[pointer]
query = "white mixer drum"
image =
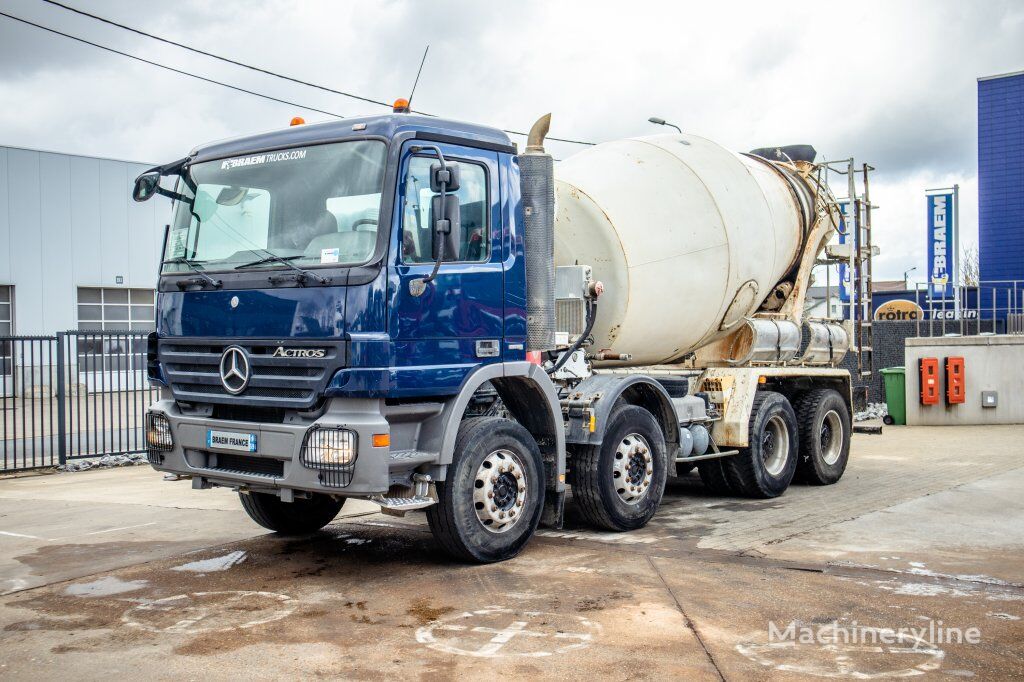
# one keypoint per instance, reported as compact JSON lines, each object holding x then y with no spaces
{"x":688,"y":237}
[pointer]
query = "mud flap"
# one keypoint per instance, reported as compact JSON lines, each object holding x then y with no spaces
{"x":553,"y":515}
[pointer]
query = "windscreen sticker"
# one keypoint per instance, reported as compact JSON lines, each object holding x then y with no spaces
{"x":178,"y":243}
{"x":330,"y":255}
{"x":255,"y":160}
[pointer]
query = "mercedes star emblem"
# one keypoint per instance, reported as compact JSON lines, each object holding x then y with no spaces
{"x":234,"y":370}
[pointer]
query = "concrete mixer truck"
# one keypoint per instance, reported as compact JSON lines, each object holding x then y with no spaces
{"x":407,"y":310}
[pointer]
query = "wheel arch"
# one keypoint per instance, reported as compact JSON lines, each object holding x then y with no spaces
{"x":595,"y":398}
{"x":523,"y":388}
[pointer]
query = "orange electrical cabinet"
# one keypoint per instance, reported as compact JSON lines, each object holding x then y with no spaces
{"x":955,"y":381}
{"x":929,"y":370}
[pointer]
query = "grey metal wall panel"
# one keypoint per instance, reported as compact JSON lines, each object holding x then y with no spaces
{"x":26,"y":256}
{"x":5,"y":227}
{"x":56,"y":279}
{"x":114,"y":235}
{"x":66,"y":222}
{"x":86,"y":250}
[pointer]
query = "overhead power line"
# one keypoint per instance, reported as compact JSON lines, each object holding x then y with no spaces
{"x":268,"y":72}
{"x":214,"y":56}
{"x":170,"y":68}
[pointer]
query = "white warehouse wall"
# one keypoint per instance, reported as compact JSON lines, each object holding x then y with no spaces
{"x":69,"y":221}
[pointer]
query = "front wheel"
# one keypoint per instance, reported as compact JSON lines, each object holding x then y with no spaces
{"x":491,"y":500}
{"x":302,"y":516}
{"x":619,"y":483}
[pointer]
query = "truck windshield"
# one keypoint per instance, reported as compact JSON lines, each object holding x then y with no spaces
{"x":311,"y":206}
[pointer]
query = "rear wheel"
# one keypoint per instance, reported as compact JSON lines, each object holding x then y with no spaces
{"x":765,"y":468}
{"x":619,"y":484}
{"x":824,"y":423}
{"x":490,"y":503}
{"x":304,"y":515}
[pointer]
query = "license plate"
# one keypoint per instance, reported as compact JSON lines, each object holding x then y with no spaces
{"x":231,"y":440}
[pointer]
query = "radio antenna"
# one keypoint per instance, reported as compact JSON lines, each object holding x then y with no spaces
{"x":417,"y":81}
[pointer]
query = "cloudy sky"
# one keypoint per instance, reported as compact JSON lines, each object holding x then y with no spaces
{"x":891,"y":83}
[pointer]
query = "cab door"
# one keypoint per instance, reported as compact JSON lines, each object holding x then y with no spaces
{"x":456,"y":323}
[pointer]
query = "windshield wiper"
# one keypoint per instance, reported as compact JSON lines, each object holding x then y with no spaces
{"x":273,"y":258}
{"x":194,"y":266}
{"x":300,"y":278}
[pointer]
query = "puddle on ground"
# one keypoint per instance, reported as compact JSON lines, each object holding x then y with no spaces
{"x":104,"y":587}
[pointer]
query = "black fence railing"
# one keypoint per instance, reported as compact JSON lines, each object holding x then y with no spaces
{"x":73,"y":395}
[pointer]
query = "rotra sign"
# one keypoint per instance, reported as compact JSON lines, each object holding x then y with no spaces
{"x":899,"y":309}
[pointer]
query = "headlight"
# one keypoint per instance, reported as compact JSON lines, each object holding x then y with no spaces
{"x":158,"y":432}
{"x":329,"y":448}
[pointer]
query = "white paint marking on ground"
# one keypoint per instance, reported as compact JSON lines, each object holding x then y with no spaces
{"x":216,"y":611}
{"x":498,"y":632}
{"x":788,"y":657}
{"x":104,"y":587}
{"x":114,"y":530}
{"x":220,"y":563}
{"x":1003,"y":616}
{"x":609,"y":538}
{"x":19,"y":535}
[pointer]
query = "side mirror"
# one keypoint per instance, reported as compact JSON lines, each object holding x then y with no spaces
{"x":146,"y":186}
{"x":447,"y":226}
{"x":450,"y":176}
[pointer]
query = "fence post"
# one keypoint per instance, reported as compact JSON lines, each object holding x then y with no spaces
{"x":62,"y":444}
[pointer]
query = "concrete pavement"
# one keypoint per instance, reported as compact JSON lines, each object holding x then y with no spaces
{"x":884,"y":574}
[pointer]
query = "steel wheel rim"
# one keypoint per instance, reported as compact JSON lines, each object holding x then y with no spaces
{"x":499,"y":491}
{"x":775,"y":445}
{"x":831,"y":437}
{"x":632,"y":469}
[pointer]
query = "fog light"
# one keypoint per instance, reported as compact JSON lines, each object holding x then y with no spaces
{"x":158,"y":432}
{"x":329,"y":448}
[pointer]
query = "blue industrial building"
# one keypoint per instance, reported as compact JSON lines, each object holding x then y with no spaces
{"x":1001,"y":177}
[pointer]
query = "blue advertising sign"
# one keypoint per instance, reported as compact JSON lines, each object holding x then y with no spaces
{"x":941,"y":244}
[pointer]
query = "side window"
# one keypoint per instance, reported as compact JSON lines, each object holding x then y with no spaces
{"x":416,"y":225}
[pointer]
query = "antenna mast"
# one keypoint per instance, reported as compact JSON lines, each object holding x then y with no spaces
{"x":417,"y":81}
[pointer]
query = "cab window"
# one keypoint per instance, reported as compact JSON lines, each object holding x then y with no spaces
{"x":416,"y":224}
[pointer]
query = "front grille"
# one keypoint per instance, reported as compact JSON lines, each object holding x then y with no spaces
{"x":244,"y":413}
{"x":245,"y":464}
{"x":192,"y":368}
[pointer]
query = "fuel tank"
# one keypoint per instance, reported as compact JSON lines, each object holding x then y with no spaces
{"x":688,"y":237}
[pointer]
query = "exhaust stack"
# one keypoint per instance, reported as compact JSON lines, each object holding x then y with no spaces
{"x":537,"y":186}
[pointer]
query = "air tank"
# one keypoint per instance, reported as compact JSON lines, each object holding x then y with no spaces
{"x":688,"y":237}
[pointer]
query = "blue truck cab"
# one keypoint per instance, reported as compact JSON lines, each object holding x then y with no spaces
{"x":311,"y":344}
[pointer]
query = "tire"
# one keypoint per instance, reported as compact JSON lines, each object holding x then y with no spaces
{"x":766,"y":467}
{"x":824,"y":423}
{"x":300,"y":517}
{"x":888,"y":420}
{"x":712,"y":474}
{"x":632,"y":450}
{"x":466,"y":527}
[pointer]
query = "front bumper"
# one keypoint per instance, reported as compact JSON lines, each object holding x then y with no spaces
{"x":276,"y":464}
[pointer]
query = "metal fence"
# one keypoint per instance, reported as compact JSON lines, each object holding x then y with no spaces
{"x":988,"y":307}
{"x":73,"y":395}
